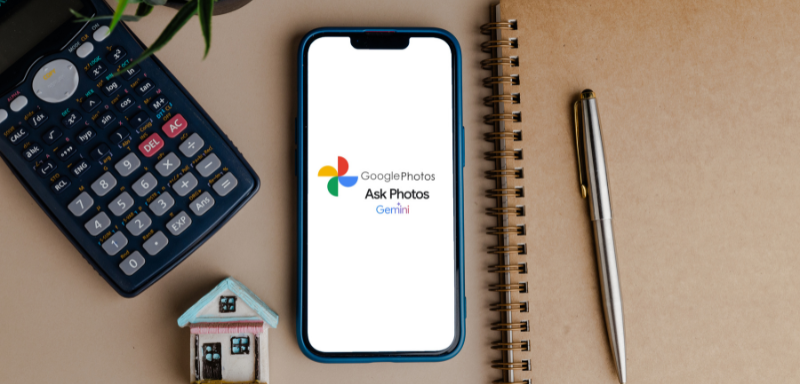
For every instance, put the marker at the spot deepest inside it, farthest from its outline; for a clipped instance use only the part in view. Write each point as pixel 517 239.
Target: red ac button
pixel 174 126
pixel 151 145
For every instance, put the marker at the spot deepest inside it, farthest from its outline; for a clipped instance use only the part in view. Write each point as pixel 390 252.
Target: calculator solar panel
pixel 129 167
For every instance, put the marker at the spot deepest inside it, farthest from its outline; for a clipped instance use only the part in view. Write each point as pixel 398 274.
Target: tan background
pixel 700 118
pixel 60 320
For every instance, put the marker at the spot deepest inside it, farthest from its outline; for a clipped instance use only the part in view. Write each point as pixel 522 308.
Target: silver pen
pixel 589 142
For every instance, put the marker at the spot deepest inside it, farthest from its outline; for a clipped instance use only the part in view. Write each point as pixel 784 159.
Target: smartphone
pixel 380 206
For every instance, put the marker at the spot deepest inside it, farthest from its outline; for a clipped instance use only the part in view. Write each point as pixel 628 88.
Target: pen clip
pixel 578 148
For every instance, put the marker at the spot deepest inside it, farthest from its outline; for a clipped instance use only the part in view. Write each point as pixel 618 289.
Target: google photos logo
pixel 338 177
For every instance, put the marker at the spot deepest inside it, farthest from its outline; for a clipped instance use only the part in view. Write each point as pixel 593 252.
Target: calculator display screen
pixel 380 197
pixel 25 23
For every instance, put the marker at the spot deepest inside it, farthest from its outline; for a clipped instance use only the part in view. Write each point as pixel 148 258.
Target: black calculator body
pixel 129 167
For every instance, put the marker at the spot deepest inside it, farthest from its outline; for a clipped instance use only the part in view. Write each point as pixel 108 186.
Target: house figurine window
pixel 240 345
pixel 227 304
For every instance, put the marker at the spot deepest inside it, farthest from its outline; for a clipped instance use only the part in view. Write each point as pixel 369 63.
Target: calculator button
pixel 145 184
pixel 85 136
pixel 191 145
pixel 100 34
pixel 91 103
pixel 84 50
pixel 125 103
pixel 51 135
pixel 121 204
pixel 225 184
pixel 37 119
pixel 208 165
pixel 128 164
pixel 104 184
pixel 56 81
pixel 140 120
pixel 79 168
pixel 19 103
pixel 155 243
pixel 32 151
pixel 129 73
pixel 60 185
pixel 119 136
pixel 202 204
pixel 71 119
pixel 132 263
pixel 151 145
pixel 139 224
pixel 116 55
pixel 168 164
pixel 174 126
pixel 185 184
pixel 46 168
pixel 100 151
pixel 179 223
pixel 115 243
pixel 162 204
pixel 105 119
pixel 66 152
pixel 98 224
pixel 81 204
pixel 18 135
pixel 96 71
pixel 111 87
pixel 144 87
pixel 3 115
pixel 158 102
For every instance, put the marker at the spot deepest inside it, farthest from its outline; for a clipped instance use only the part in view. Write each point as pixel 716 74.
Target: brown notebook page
pixel 701 124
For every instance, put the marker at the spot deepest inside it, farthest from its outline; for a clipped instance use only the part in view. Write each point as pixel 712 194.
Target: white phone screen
pixel 380 197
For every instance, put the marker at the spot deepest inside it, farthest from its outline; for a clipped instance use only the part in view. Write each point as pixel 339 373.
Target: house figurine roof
pixel 265 314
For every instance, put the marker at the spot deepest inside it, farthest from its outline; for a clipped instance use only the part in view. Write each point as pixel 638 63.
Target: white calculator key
pixel 98 224
pixel 81 204
pixel 84 50
pixel 115 243
pixel 104 184
pixel 100 34
pixel 128 164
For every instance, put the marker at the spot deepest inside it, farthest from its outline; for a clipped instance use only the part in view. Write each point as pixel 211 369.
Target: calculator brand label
pixel 338 176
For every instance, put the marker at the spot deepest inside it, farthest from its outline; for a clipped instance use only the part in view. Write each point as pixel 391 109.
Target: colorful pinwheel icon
pixel 338 176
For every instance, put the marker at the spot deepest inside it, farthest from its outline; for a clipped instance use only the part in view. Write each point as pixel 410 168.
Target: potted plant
pixel 204 9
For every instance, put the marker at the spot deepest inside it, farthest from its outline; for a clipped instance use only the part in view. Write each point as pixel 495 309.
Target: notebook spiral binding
pixel 505 194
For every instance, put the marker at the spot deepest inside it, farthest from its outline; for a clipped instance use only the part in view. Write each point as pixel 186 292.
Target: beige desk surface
pixel 60 320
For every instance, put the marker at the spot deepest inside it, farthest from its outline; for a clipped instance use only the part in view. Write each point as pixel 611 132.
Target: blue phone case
pixel 461 305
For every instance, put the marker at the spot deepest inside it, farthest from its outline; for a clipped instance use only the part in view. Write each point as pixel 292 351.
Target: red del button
pixel 174 126
pixel 151 145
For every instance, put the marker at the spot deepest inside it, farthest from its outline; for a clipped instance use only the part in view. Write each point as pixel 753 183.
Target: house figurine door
pixel 212 361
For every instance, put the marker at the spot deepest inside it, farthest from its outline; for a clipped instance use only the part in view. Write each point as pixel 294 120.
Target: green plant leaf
pixel 80 18
pixel 204 12
pixel 121 5
pixel 143 9
pixel 181 18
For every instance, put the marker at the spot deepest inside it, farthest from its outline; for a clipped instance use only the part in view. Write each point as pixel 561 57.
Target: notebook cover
pixel 699 111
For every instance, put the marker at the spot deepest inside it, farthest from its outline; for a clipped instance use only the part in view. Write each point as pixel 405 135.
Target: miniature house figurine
pixel 229 335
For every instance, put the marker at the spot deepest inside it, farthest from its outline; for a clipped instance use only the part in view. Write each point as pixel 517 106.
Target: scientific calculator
pixel 129 167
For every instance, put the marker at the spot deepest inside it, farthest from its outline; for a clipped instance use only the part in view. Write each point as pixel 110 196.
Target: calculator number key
pixel 191 145
pixel 145 184
pixel 168 164
pixel 121 204
pixel 179 223
pixel 155 243
pixel 115 243
pixel 185 184
pixel 104 184
pixel 128 164
pixel 202 204
pixel 132 263
pixel 139 224
pixel 98 224
pixel 81 204
pixel 162 204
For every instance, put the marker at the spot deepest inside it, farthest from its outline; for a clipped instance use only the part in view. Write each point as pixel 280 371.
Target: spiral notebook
pixel 700 110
